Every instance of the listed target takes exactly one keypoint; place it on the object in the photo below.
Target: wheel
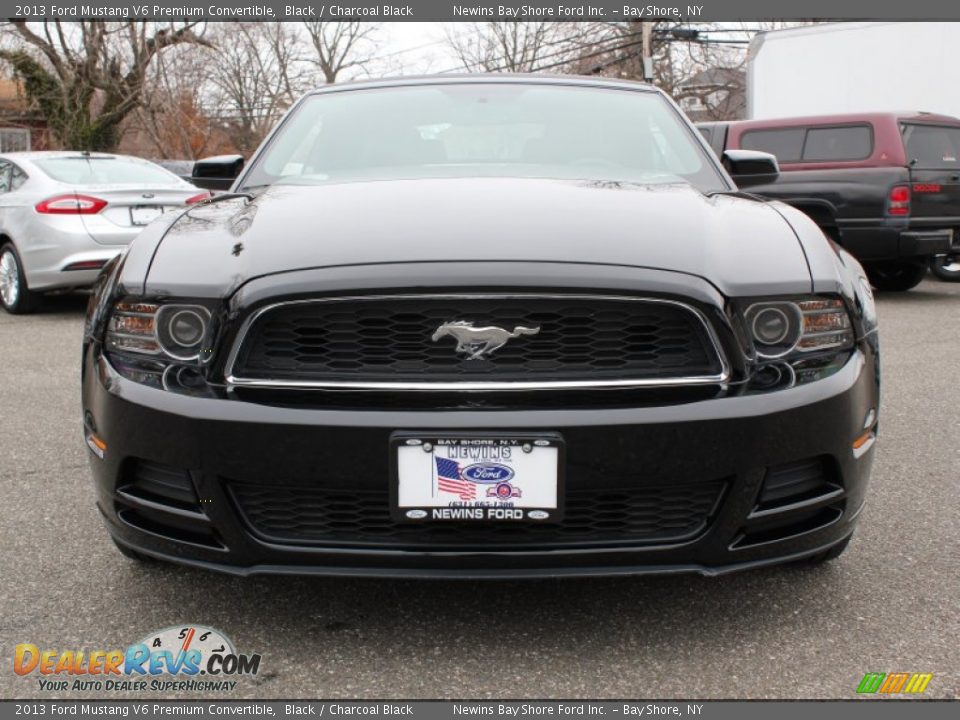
(829, 554)
(132, 554)
(15, 296)
(946, 267)
(896, 276)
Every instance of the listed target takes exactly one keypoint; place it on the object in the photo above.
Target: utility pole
(646, 43)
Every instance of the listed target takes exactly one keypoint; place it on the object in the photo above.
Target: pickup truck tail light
(898, 202)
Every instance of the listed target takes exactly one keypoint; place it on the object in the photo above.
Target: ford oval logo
(416, 514)
(488, 473)
(538, 515)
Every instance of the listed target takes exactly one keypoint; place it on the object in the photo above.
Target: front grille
(579, 338)
(301, 515)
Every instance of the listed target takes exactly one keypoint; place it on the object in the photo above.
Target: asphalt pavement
(890, 604)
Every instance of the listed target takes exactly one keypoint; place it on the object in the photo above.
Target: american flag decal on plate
(444, 478)
(450, 480)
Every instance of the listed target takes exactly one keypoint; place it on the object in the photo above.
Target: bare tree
(340, 46)
(696, 72)
(87, 77)
(512, 46)
(254, 78)
(172, 118)
(707, 80)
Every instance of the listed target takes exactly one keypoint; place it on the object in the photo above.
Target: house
(21, 127)
(715, 94)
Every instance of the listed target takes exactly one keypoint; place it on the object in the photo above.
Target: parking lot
(890, 604)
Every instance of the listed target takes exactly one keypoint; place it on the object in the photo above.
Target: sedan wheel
(14, 294)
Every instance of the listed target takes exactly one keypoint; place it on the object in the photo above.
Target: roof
(818, 27)
(715, 76)
(847, 118)
(487, 78)
(41, 154)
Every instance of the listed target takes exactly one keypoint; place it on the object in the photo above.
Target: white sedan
(64, 215)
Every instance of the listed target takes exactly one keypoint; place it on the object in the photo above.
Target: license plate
(477, 478)
(145, 214)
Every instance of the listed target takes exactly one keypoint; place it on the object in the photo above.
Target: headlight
(173, 331)
(783, 327)
(181, 330)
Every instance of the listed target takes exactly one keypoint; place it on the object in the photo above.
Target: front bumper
(735, 443)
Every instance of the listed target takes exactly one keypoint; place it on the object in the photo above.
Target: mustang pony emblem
(477, 342)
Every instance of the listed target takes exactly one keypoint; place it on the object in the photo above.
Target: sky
(411, 48)
(415, 47)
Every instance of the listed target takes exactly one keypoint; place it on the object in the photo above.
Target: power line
(588, 56)
(566, 50)
(565, 42)
(410, 49)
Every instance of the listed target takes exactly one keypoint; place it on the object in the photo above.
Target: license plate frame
(136, 214)
(528, 514)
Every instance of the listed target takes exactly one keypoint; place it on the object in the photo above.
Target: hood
(741, 246)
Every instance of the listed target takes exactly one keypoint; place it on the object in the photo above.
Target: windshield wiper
(251, 190)
(737, 194)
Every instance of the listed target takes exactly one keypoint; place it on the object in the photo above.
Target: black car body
(885, 186)
(611, 342)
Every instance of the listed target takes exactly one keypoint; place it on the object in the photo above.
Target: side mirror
(216, 173)
(751, 167)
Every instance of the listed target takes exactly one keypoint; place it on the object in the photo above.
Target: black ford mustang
(483, 326)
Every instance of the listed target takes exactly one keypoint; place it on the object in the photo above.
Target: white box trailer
(854, 67)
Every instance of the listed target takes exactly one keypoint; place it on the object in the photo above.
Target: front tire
(946, 267)
(15, 296)
(896, 276)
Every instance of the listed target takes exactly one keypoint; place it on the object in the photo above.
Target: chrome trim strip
(478, 386)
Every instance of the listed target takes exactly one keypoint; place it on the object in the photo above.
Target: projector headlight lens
(783, 327)
(770, 325)
(182, 330)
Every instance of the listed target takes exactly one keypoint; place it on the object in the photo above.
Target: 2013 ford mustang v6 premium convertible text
(483, 327)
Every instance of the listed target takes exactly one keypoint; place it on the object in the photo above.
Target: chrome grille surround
(234, 379)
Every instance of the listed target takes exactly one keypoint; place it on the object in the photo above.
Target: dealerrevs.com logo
(190, 657)
(894, 683)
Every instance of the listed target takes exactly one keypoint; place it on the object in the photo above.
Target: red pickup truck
(885, 186)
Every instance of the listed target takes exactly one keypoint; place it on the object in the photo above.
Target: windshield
(96, 170)
(496, 129)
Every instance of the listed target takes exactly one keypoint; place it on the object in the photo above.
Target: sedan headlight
(804, 325)
(173, 331)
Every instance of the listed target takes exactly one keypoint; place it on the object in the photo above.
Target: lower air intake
(362, 518)
(162, 500)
